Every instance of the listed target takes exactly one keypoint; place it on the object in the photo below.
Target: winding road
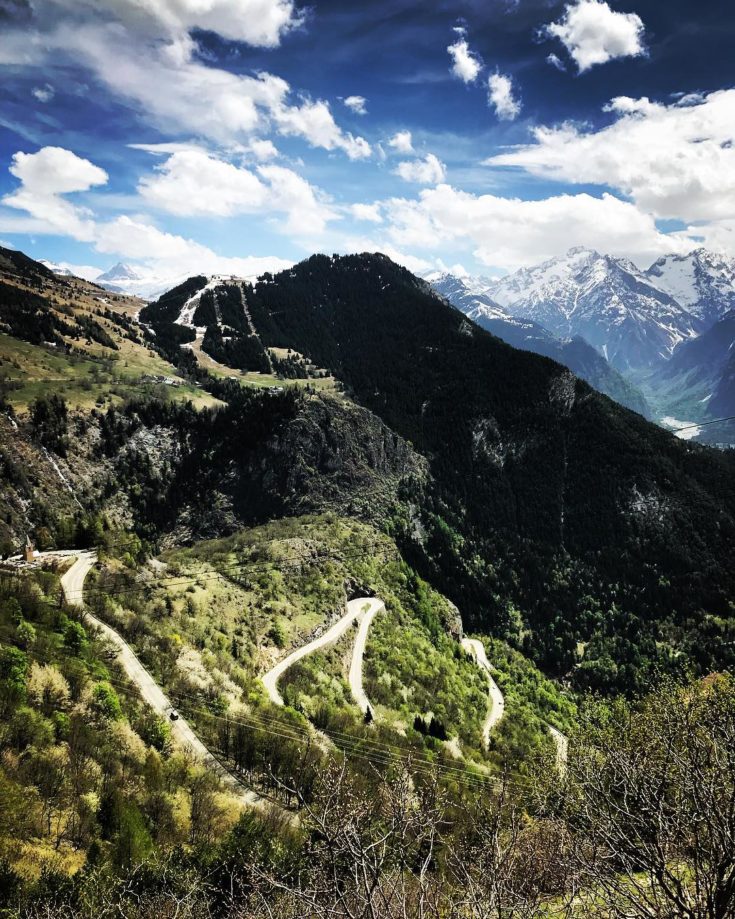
(370, 608)
(358, 610)
(496, 702)
(361, 610)
(72, 583)
(562, 747)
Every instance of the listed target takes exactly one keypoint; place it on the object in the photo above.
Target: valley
(356, 541)
(657, 341)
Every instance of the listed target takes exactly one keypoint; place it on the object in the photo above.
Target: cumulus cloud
(501, 96)
(356, 104)
(161, 74)
(676, 161)
(427, 171)
(192, 182)
(195, 183)
(306, 215)
(465, 63)
(262, 150)
(256, 22)
(314, 122)
(593, 33)
(166, 254)
(510, 232)
(368, 212)
(401, 142)
(56, 171)
(45, 177)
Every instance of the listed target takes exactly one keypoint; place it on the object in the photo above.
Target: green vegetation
(86, 771)
(229, 608)
(546, 497)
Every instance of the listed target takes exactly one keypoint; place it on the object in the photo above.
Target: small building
(30, 551)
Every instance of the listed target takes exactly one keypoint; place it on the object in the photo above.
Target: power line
(702, 424)
(351, 746)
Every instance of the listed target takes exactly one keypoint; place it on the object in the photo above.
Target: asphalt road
(72, 583)
(334, 633)
(496, 707)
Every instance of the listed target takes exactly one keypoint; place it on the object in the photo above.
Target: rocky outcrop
(190, 478)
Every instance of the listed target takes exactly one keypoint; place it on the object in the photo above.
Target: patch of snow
(674, 425)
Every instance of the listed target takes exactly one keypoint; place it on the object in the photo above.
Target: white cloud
(43, 93)
(47, 175)
(263, 150)
(356, 104)
(56, 171)
(162, 76)
(52, 172)
(676, 161)
(593, 33)
(194, 182)
(401, 142)
(510, 232)
(256, 22)
(556, 61)
(427, 171)
(290, 193)
(166, 254)
(314, 121)
(367, 212)
(500, 95)
(465, 64)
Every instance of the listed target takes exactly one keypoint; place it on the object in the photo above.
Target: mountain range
(614, 325)
(637, 321)
(547, 512)
(469, 296)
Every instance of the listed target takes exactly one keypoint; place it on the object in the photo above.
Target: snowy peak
(119, 272)
(57, 269)
(468, 294)
(702, 282)
(607, 301)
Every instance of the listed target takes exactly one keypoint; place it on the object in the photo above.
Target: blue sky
(239, 135)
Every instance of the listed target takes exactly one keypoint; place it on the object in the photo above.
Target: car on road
(173, 714)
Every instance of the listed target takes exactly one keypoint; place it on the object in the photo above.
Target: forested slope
(589, 517)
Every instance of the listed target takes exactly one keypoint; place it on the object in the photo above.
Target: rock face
(343, 457)
(200, 478)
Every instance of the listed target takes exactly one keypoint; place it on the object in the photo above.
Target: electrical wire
(701, 424)
(351, 746)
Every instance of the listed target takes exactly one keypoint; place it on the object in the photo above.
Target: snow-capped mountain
(123, 279)
(57, 269)
(118, 274)
(608, 301)
(469, 295)
(702, 282)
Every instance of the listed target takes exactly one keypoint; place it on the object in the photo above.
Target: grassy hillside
(68, 336)
(87, 772)
(223, 612)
